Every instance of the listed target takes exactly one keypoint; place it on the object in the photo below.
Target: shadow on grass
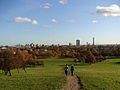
(117, 63)
(61, 57)
(33, 66)
(79, 82)
(114, 57)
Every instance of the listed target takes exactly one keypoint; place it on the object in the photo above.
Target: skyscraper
(93, 41)
(77, 42)
(70, 44)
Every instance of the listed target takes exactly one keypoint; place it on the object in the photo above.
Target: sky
(59, 21)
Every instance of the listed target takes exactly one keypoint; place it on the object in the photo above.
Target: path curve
(72, 83)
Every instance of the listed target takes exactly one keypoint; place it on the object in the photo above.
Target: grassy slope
(48, 77)
(100, 76)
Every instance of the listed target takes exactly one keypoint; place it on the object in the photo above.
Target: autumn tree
(11, 59)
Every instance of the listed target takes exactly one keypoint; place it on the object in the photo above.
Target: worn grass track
(72, 83)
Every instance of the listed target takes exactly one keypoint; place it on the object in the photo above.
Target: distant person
(66, 69)
(72, 70)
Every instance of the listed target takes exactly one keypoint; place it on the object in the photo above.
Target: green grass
(48, 77)
(100, 76)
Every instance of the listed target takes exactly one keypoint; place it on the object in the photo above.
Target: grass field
(100, 76)
(48, 77)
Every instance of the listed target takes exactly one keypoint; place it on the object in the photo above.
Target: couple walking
(71, 69)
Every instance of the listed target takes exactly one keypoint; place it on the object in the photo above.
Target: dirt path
(72, 83)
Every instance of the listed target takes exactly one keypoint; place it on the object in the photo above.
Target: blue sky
(59, 21)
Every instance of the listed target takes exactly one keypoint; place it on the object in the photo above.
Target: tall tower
(87, 43)
(70, 44)
(77, 42)
(93, 41)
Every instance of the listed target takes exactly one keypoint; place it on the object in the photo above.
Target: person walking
(72, 70)
(66, 69)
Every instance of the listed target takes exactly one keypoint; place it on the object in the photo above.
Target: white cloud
(62, 1)
(25, 19)
(113, 10)
(21, 19)
(94, 21)
(46, 5)
(54, 20)
(34, 22)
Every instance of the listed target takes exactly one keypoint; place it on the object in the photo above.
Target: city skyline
(59, 21)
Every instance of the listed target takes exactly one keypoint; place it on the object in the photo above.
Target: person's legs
(66, 72)
(72, 72)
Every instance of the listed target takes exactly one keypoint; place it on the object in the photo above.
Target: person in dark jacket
(66, 69)
(72, 70)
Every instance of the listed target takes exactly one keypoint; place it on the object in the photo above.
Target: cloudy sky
(59, 21)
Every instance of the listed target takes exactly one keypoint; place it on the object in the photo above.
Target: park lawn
(101, 76)
(48, 77)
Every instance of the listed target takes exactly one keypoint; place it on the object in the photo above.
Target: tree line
(87, 54)
(15, 58)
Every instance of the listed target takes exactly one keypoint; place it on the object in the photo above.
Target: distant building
(27, 45)
(77, 42)
(93, 41)
(3, 47)
(52, 45)
(43, 45)
(37, 46)
(31, 45)
(87, 43)
(70, 44)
